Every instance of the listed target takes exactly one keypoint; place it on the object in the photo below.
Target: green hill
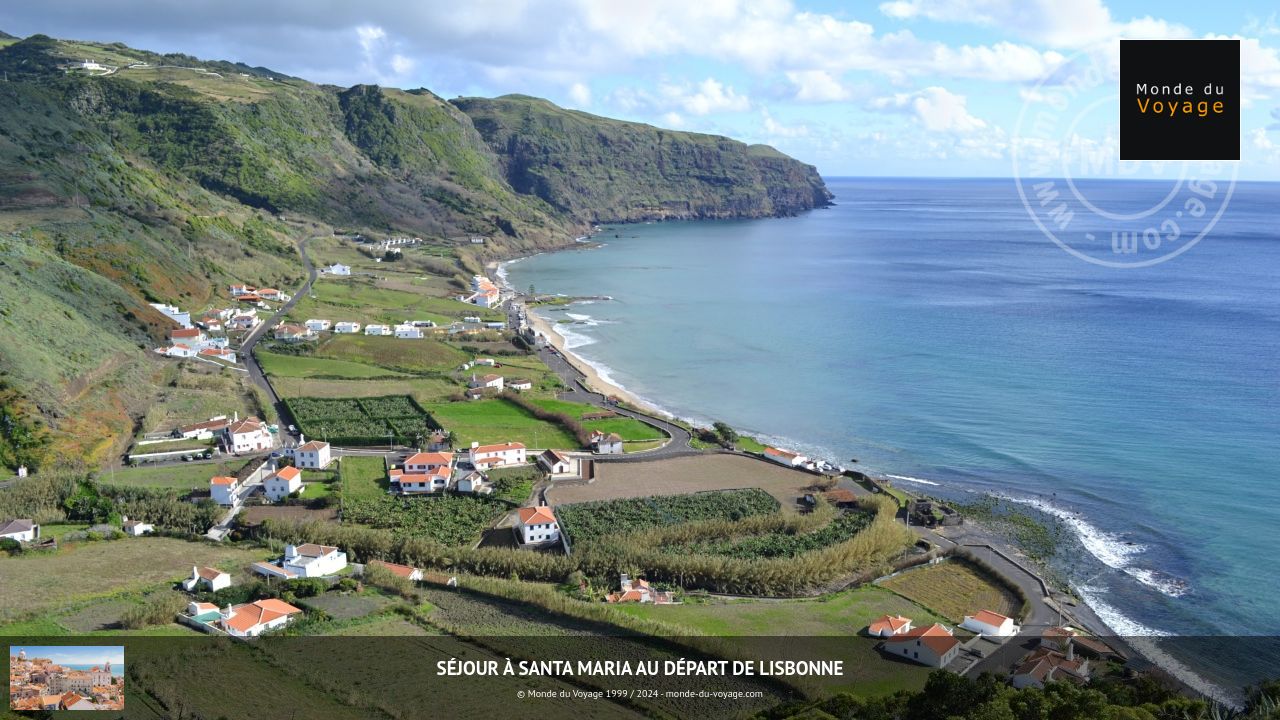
(602, 170)
(129, 177)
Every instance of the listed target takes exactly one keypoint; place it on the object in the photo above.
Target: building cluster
(312, 329)
(639, 591)
(483, 293)
(205, 337)
(42, 684)
(440, 470)
(304, 561)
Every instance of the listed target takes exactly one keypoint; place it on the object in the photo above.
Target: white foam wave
(1145, 640)
(908, 478)
(1108, 548)
(1165, 583)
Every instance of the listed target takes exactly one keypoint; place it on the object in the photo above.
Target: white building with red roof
(606, 443)
(246, 436)
(282, 483)
(427, 462)
(314, 455)
(986, 622)
(537, 525)
(187, 337)
(888, 626)
(206, 578)
(488, 382)
(933, 646)
(224, 489)
(784, 457)
(483, 457)
(253, 619)
(409, 573)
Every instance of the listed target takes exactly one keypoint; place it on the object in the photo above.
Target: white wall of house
(539, 533)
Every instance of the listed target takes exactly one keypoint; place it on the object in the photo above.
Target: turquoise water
(928, 329)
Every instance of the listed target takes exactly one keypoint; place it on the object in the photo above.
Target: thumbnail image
(66, 677)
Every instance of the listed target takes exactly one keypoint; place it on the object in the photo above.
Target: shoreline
(1081, 614)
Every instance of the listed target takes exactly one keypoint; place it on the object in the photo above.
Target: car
(186, 458)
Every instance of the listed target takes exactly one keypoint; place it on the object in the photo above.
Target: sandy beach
(593, 380)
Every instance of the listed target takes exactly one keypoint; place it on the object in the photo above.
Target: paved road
(258, 377)
(579, 392)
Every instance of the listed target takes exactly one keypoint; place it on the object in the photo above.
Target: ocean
(927, 328)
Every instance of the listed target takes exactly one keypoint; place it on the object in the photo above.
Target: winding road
(251, 364)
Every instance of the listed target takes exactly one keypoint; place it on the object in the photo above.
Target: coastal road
(579, 392)
(256, 374)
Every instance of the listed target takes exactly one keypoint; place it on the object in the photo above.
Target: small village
(37, 683)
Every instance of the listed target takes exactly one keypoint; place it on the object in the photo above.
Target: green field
(363, 478)
(40, 583)
(363, 420)
(954, 589)
(496, 421)
(307, 367)
(843, 615)
(630, 429)
(417, 356)
(183, 476)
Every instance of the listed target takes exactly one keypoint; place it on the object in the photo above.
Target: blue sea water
(927, 328)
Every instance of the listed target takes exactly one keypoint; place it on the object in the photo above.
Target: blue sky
(884, 87)
(74, 654)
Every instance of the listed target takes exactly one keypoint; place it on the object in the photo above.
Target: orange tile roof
(429, 458)
(250, 615)
(314, 550)
(209, 573)
(313, 446)
(205, 607)
(288, 474)
(935, 637)
(403, 571)
(536, 515)
(498, 448)
(785, 454)
(991, 618)
(891, 623)
(184, 332)
(222, 480)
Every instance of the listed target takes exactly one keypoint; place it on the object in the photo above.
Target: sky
(74, 654)
(893, 87)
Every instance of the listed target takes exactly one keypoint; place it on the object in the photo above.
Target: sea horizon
(1062, 419)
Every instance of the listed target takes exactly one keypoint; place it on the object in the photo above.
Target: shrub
(157, 609)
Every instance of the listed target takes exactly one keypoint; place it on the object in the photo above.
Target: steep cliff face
(597, 170)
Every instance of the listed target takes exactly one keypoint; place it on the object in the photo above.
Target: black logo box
(1188, 65)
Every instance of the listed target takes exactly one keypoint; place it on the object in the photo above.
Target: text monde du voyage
(1180, 99)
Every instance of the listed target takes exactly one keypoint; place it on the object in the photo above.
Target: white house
(20, 530)
(377, 329)
(136, 528)
(426, 462)
(490, 362)
(638, 591)
(888, 626)
(173, 313)
(308, 560)
(253, 619)
(554, 462)
(178, 351)
(413, 483)
(606, 443)
(537, 525)
(313, 455)
(191, 337)
(283, 483)
(519, 384)
(486, 456)
(248, 435)
(986, 622)
(1046, 664)
(408, 332)
(346, 327)
(412, 574)
(932, 646)
(225, 490)
(785, 457)
(473, 482)
(315, 325)
(273, 294)
(494, 382)
(206, 578)
(338, 269)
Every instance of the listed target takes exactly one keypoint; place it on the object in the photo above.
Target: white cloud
(704, 98)
(775, 129)
(580, 94)
(1260, 139)
(936, 108)
(672, 120)
(817, 86)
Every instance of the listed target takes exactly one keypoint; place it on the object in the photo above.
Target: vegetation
(496, 420)
(447, 519)
(954, 589)
(363, 421)
(584, 522)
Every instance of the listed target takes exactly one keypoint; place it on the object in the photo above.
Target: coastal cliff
(596, 169)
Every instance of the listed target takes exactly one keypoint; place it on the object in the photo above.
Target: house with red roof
(537, 525)
(314, 455)
(206, 578)
(986, 622)
(224, 489)
(409, 573)
(1046, 664)
(483, 457)
(246, 436)
(933, 646)
(638, 591)
(888, 626)
(253, 619)
(283, 483)
(784, 457)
